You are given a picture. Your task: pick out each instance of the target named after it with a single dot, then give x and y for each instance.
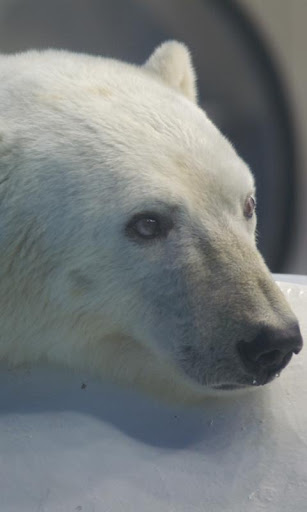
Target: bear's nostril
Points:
(270, 358)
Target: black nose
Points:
(271, 350)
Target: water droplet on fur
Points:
(277, 374)
(254, 382)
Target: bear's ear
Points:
(171, 61)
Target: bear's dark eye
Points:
(249, 207)
(147, 227)
(144, 226)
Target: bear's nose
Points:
(271, 350)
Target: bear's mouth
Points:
(260, 381)
(230, 387)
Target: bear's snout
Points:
(270, 351)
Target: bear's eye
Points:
(146, 226)
(249, 207)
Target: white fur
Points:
(85, 143)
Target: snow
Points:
(72, 443)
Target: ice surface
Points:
(70, 443)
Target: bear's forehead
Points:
(152, 130)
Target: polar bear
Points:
(127, 229)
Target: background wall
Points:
(283, 25)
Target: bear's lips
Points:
(230, 387)
(260, 380)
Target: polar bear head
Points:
(128, 226)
